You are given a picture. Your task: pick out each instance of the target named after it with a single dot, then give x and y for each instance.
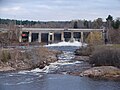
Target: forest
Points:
(97, 23)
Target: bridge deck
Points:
(59, 30)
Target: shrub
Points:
(106, 56)
(94, 38)
(84, 51)
(114, 36)
(5, 56)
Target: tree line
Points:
(97, 23)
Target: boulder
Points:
(103, 72)
(7, 68)
(82, 58)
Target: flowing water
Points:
(55, 76)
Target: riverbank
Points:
(97, 72)
(104, 60)
(12, 59)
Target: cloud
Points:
(10, 9)
(59, 9)
(43, 7)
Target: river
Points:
(55, 77)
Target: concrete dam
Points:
(51, 35)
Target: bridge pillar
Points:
(20, 36)
(103, 35)
(82, 37)
(30, 36)
(52, 36)
(72, 37)
(62, 36)
(48, 37)
(39, 37)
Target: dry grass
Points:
(106, 55)
(23, 59)
(5, 56)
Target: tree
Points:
(116, 24)
(86, 24)
(75, 25)
(109, 20)
(114, 36)
(94, 38)
(98, 23)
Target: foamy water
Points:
(52, 67)
(66, 58)
(63, 60)
(75, 43)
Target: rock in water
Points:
(103, 72)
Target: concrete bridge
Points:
(54, 34)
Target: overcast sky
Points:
(57, 10)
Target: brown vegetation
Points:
(4, 41)
(94, 38)
(102, 55)
(114, 36)
(105, 56)
(26, 59)
(84, 51)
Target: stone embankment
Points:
(22, 59)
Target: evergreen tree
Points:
(75, 25)
(116, 24)
(86, 24)
(109, 20)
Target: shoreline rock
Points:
(7, 68)
(82, 58)
(103, 72)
